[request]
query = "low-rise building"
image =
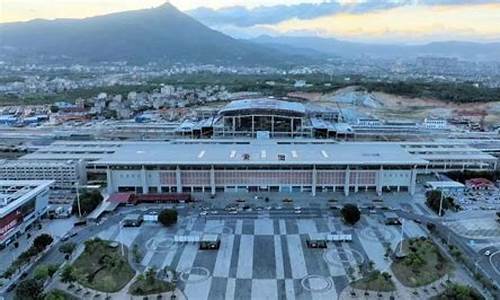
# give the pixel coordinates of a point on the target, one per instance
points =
(22, 202)
(66, 174)
(479, 184)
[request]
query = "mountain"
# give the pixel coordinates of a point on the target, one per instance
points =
(157, 34)
(330, 46)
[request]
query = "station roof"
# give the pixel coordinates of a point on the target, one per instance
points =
(263, 104)
(14, 193)
(258, 153)
(445, 185)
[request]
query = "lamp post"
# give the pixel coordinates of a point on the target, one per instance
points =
(78, 199)
(121, 241)
(401, 238)
(441, 202)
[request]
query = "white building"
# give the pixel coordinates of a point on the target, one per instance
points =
(260, 166)
(66, 174)
(22, 202)
(430, 123)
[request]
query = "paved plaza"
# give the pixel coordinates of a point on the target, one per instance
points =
(263, 258)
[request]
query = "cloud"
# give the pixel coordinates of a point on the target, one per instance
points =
(241, 16)
(405, 23)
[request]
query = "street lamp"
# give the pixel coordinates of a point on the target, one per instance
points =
(78, 199)
(441, 202)
(401, 238)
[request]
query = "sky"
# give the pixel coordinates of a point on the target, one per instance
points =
(411, 21)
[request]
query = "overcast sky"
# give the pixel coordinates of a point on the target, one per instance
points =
(364, 20)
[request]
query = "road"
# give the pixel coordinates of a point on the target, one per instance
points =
(482, 262)
(54, 257)
(489, 269)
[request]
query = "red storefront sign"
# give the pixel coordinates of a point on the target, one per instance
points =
(9, 222)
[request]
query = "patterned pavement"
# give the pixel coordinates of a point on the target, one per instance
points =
(262, 258)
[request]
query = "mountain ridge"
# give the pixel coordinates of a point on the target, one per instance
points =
(331, 46)
(162, 33)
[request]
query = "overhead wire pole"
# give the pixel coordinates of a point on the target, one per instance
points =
(78, 199)
(401, 238)
(441, 202)
(121, 241)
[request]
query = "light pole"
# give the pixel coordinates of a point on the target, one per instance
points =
(441, 202)
(121, 241)
(78, 199)
(401, 238)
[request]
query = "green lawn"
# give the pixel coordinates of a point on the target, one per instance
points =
(147, 286)
(58, 295)
(422, 265)
(103, 268)
(375, 281)
(456, 291)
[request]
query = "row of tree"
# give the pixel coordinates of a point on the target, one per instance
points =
(40, 243)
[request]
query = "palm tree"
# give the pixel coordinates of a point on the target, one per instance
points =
(68, 275)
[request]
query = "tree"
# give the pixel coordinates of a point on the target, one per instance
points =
(68, 274)
(29, 289)
(67, 248)
(56, 295)
(150, 276)
(52, 270)
(434, 201)
(350, 213)
(54, 109)
(167, 217)
(41, 272)
(89, 200)
(42, 241)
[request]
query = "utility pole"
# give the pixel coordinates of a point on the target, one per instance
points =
(401, 238)
(78, 199)
(441, 202)
(121, 241)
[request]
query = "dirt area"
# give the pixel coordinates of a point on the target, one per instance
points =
(393, 107)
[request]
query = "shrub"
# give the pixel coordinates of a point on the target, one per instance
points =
(29, 289)
(67, 248)
(168, 217)
(42, 241)
(350, 213)
(89, 200)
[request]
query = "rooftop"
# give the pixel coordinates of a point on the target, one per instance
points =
(263, 104)
(14, 193)
(444, 184)
(257, 153)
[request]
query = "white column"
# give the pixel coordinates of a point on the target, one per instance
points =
(212, 180)
(356, 182)
(109, 179)
(253, 125)
(178, 182)
(346, 181)
(314, 180)
(380, 180)
(413, 180)
(145, 188)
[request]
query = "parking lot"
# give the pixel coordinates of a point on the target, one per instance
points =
(478, 199)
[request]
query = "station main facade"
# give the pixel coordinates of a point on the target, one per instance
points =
(252, 166)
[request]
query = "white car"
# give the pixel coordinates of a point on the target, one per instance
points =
(487, 252)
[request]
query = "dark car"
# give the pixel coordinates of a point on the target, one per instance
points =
(11, 288)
